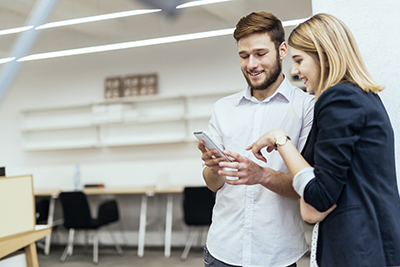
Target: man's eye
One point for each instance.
(244, 56)
(261, 54)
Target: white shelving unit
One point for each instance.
(122, 122)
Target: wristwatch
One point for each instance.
(281, 140)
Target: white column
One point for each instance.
(376, 27)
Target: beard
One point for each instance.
(272, 76)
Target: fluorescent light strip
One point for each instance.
(148, 42)
(103, 48)
(104, 17)
(200, 3)
(293, 22)
(15, 30)
(5, 60)
(96, 18)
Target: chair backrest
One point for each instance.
(42, 211)
(198, 203)
(76, 210)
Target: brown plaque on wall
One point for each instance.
(148, 84)
(131, 85)
(113, 87)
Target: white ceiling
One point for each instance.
(14, 13)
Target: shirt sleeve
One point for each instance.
(301, 179)
(339, 119)
(308, 116)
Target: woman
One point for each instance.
(351, 187)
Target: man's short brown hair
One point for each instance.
(260, 22)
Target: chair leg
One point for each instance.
(189, 244)
(86, 238)
(116, 244)
(70, 245)
(122, 233)
(95, 247)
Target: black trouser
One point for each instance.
(209, 260)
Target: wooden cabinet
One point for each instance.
(119, 122)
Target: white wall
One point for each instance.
(182, 67)
(375, 25)
(192, 66)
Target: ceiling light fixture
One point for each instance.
(140, 43)
(110, 47)
(293, 22)
(5, 60)
(96, 18)
(15, 30)
(200, 3)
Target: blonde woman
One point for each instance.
(346, 173)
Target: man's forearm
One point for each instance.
(213, 181)
(280, 183)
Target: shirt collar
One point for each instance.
(283, 90)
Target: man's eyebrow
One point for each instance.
(254, 51)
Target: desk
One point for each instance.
(10, 244)
(144, 191)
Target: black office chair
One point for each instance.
(77, 216)
(42, 211)
(198, 203)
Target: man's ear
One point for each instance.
(283, 50)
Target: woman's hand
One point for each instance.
(311, 215)
(267, 140)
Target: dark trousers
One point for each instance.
(209, 260)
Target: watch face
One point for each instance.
(281, 140)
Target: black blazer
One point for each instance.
(351, 147)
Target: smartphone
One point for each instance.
(210, 144)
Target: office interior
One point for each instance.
(56, 119)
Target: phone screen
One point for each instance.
(210, 144)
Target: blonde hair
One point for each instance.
(331, 44)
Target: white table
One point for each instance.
(146, 192)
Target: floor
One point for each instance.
(108, 257)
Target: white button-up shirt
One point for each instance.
(251, 225)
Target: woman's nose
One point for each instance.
(294, 71)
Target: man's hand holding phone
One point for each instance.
(210, 145)
(212, 155)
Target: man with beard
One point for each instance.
(256, 219)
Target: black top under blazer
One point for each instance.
(351, 147)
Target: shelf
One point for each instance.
(60, 146)
(145, 141)
(118, 122)
(55, 127)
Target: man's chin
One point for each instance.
(257, 86)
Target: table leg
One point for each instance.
(50, 220)
(31, 256)
(142, 225)
(168, 226)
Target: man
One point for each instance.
(256, 219)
